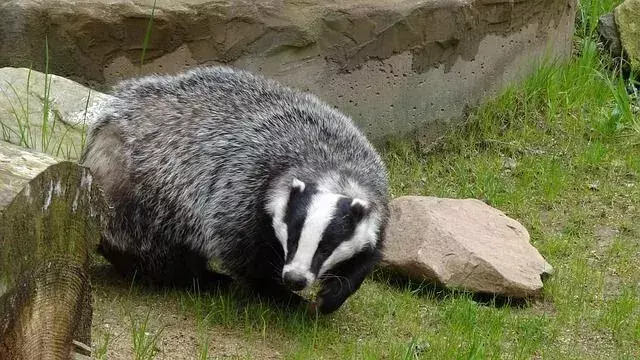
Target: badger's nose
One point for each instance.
(294, 281)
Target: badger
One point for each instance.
(218, 163)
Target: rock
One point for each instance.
(463, 244)
(23, 97)
(397, 67)
(608, 31)
(627, 16)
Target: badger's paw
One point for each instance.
(332, 295)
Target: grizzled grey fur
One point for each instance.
(188, 162)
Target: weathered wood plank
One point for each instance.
(51, 218)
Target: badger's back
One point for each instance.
(188, 159)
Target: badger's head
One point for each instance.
(325, 236)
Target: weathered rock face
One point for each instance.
(462, 244)
(24, 101)
(627, 16)
(395, 66)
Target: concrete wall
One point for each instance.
(397, 67)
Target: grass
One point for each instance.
(47, 133)
(23, 132)
(100, 350)
(46, 104)
(559, 153)
(573, 140)
(147, 35)
(144, 342)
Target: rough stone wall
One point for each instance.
(397, 67)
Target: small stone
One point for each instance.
(548, 269)
(509, 163)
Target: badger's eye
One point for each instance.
(351, 211)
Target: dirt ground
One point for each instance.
(179, 337)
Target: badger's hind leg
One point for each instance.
(177, 266)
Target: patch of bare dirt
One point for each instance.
(605, 235)
(178, 336)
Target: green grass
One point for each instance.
(101, 346)
(147, 34)
(21, 114)
(144, 341)
(47, 133)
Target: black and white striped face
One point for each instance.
(318, 229)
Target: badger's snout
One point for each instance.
(295, 281)
(296, 278)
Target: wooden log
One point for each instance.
(51, 218)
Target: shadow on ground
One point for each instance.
(440, 293)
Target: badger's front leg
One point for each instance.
(274, 290)
(343, 280)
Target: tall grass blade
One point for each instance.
(83, 133)
(147, 35)
(44, 135)
(22, 118)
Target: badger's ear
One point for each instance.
(297, 185)
(359, 208)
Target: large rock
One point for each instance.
(398, 67)
(627, 16)
(69, 108)
(463, 244)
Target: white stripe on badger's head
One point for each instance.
(319, 214)
(318, 229)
